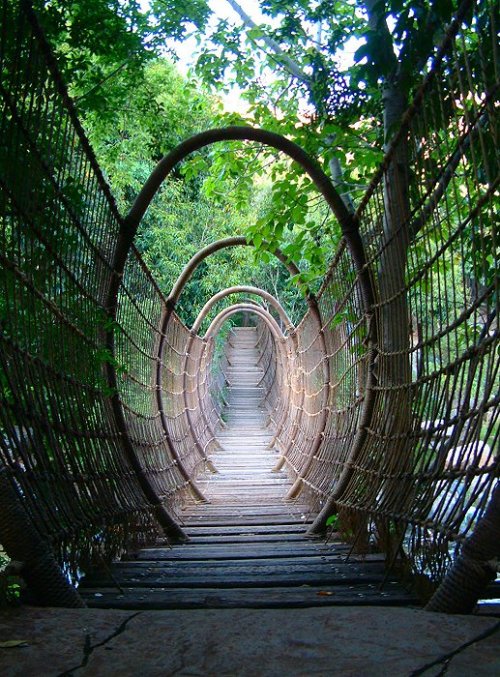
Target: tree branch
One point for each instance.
(338, 182)
(377, 23)
(291, 66)
(110, 75)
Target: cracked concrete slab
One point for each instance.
(351, 642)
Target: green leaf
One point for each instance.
(332, 521)
(255, 33)
(13, 643)
(361, 53)
(257, 240)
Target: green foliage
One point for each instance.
(81, 34)
(290, 70)
(136, 108)
(301, 108)
(10, 589)
(210, 196)
(332, 521)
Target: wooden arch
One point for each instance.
(244, 307)
(242, 289)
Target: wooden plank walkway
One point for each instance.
(247, 546)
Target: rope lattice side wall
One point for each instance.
(73, 415)
(272, 366)
(412, 428)
(437, 265)
(345, 332)
(139, 348)
(300, 436)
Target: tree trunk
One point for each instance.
(393, 367)
(475, 567)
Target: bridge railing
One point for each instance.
(272, 367)
(412, 433)
(82, 442)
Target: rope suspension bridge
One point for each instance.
(246, 547)
(124, 431)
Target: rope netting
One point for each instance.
(410, 437)
(91, 436)
(429, 455)
(383, 405)
(60, 447)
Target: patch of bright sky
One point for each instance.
(188, 49)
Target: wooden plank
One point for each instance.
(255, 598)
(308, 565)
(229, 578)
(202, 534)
(237, 551)
(212, 521)
(250, 510)
(263, 509)
(252, 530)
(224, 581)
(263, 538)
(277, 517)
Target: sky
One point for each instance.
(186, 51)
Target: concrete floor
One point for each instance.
(347, 641)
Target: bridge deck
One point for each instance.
(247, 546)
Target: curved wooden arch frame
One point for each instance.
(242, 289)
(194, 331)
(172, 300)
(348, 221)
(244, 307)
(350, 230)
(235, 241)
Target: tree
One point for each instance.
(290, 69)
(97, 40)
